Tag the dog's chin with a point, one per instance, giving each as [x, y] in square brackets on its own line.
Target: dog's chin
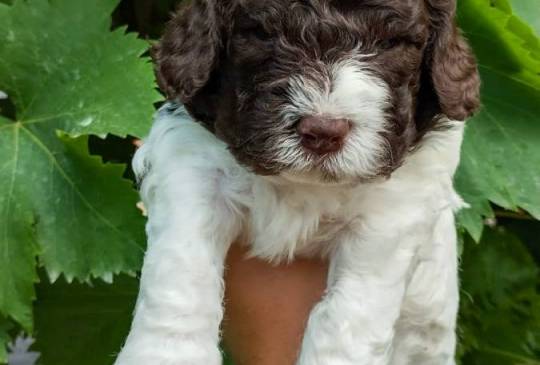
[317, 177]
[321, 171]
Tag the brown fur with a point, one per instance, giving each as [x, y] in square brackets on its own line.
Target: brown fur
[229, 62]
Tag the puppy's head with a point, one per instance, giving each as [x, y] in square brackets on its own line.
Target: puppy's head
[332, 90]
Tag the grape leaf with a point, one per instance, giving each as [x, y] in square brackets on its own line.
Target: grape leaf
[64, 70]
[81, 324]
[488, 24]
[81, 213]
[501, 142]
[4, 339]
[18, 248]
[528, 10]
[500, 305]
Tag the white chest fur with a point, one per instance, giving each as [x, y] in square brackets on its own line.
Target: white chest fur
[392, 294]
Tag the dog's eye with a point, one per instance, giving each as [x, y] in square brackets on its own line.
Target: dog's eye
[259, 32]
[390, 43]
[250, 28]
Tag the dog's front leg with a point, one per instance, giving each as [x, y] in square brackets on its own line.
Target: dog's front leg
[426, 329]
[354, 323]
[179, 308]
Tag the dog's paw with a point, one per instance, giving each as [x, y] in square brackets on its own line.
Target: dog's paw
[167, 352]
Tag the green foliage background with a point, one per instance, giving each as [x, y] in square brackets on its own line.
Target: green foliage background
[71, 239]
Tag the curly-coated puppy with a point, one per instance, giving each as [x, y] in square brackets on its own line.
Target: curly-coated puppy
[322, 127]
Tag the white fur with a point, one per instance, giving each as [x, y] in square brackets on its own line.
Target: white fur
[352, 92]
[392, 290]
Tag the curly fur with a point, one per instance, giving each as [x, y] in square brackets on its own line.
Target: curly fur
[381, 209]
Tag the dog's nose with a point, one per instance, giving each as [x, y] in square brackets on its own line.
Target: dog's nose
[322, 135]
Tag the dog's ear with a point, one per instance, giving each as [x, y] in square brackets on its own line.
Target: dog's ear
[188, 55]
[450, 84]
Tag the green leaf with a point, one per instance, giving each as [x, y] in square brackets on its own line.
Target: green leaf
[18, 247]
[65, 71]
[4, 339]
[80, 211]
[109, 229]
[80, 324]
[529, 11]
[492, 27]
[63, 68]
[500, 305]
[84, 324]
[501, 142]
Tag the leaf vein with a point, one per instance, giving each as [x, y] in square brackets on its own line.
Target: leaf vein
[73, 186]
[11, 189]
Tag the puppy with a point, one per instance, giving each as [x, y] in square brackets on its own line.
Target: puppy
[320, 127]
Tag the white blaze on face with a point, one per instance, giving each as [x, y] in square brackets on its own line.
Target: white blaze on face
[351, 92]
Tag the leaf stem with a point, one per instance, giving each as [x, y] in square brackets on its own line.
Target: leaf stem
[520, 214]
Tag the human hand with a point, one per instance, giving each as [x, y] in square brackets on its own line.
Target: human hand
[267, 307]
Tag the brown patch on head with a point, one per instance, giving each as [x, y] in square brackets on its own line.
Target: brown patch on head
[189, 52]
[230, 63]
[450, 81]
[453, 65]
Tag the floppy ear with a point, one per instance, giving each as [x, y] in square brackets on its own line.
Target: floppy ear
[450, 82]
[188, 55]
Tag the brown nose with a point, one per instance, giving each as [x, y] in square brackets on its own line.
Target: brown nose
[322, 135]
